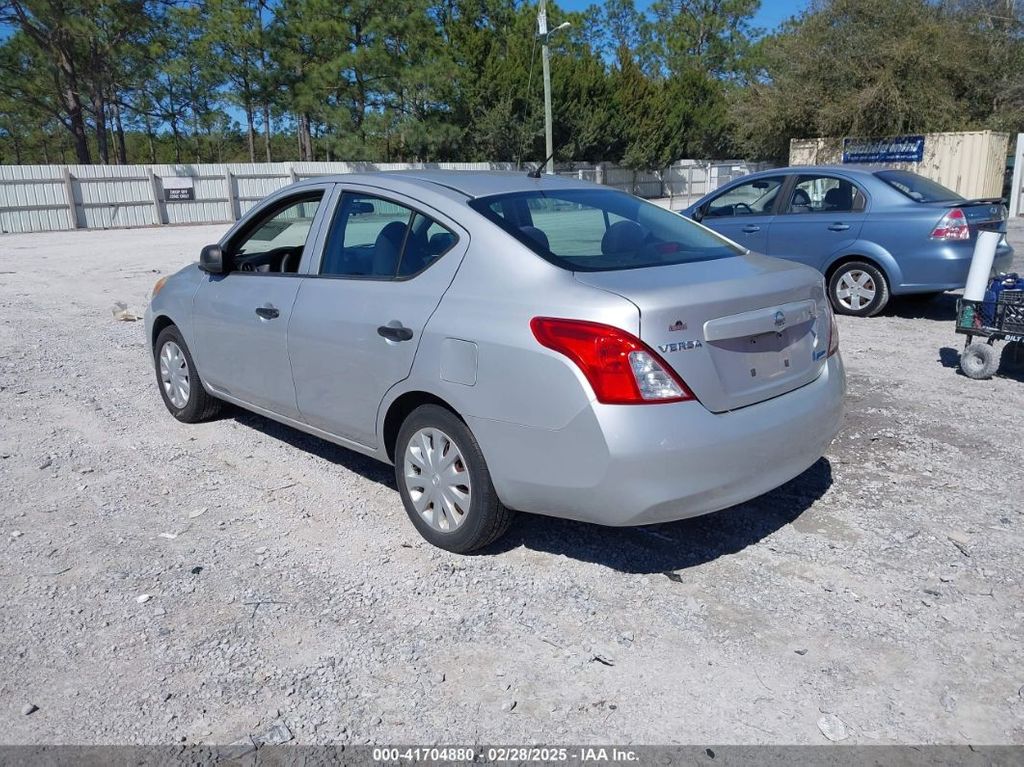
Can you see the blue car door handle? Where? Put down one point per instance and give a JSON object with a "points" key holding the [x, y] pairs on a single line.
{"points": [[267, 312], [838, 227], [750, 229]]}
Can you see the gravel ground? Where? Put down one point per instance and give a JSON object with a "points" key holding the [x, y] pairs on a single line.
{"points": [[164, 582]]}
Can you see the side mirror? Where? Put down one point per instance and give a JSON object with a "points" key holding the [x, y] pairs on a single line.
{"points": [[698, 214], [211, 259]]}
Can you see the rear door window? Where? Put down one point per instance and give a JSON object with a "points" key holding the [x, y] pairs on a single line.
{"points": [[824, 194], [753, 198], [374, 237]]}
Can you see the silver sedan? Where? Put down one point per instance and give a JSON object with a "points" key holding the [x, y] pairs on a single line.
{"points": [[509, 342]]}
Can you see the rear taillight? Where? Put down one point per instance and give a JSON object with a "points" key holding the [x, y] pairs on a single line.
{"points": [[952, 226], [833, 334], [620, 368]]}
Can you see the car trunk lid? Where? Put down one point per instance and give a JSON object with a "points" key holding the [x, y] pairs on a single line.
{"points": [[983, 212], [738, 330]]}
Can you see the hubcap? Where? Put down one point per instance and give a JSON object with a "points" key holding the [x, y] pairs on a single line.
{"points": [[437, 479], [856, 289], [174, 374]]}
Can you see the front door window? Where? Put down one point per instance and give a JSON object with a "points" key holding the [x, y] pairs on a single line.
{"points": [[273, 243], [753, 198]]}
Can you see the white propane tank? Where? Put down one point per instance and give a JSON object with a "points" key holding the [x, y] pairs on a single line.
{"points": [[981, 264]]}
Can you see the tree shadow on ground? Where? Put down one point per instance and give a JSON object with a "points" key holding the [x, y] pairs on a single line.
{"points": [[663, 548]]}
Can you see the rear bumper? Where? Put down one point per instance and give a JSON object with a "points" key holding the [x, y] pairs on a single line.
{"points": [[944, 268], [636, 465]]}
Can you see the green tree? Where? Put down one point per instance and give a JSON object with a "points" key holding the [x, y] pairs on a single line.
{"points": [[710, 36], [234, 40], [42, 63], [883, 67]]}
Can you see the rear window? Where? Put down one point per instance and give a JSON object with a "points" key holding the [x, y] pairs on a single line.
{"points": [[917, 188], [596, 230]]}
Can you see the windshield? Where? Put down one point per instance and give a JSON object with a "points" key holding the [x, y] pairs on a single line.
{"points": [[917, 188], [596, 230]]}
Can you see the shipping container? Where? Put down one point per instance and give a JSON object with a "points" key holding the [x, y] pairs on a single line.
{"points": [[972, 164]]}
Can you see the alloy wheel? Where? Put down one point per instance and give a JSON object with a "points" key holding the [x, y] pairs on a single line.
{"points": [[856, 289]]}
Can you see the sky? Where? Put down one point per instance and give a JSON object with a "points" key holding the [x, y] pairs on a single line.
{"points": [[769, 16], [774, 12]]}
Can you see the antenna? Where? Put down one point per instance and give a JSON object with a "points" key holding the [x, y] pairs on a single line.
{"points": [[535, 173]]}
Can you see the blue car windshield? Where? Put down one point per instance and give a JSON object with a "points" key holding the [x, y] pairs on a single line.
{"points": [[917, 188], [601, 229]]}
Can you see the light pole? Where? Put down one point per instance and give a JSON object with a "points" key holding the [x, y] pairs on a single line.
{"points": [[544, 34]]}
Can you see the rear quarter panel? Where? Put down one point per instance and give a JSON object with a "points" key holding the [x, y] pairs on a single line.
{"points": [[915, 261], [499, 288]]}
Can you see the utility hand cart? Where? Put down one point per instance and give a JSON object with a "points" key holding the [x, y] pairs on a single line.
{"points": [[1000, 317]]}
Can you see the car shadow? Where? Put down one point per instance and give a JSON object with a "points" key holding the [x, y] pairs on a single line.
{"points": [[361, 464], [664, 548], [673, 546], [940, 308]]}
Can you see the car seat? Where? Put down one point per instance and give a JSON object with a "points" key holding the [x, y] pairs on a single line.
{"points": [[801, 202], [440, 243], [537, 236], [622, 238], [386, 249], [839, 198]]}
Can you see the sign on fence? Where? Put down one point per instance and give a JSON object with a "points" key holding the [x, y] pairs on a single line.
{"points": [[179, 188], [891, 149]]}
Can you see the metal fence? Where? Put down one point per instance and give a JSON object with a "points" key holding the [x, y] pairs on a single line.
{"points": [[36, 198], [682, 183]]}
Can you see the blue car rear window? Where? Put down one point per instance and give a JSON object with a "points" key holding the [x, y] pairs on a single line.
{"points": [[601, 229], [917, 188]]}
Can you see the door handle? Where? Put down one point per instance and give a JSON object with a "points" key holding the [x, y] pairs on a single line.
{"points": [[750, 229], [392, 333], [838, 227], [267, 312]]}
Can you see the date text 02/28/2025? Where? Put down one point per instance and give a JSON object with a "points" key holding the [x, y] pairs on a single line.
{"points": [[498, 754]]}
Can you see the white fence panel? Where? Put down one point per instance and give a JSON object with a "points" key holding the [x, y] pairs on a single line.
{"points": [[37, 198], [32, 198], [108, 197]]}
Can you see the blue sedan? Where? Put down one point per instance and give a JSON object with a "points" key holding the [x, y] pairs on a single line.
{"points": [[873, 232]]}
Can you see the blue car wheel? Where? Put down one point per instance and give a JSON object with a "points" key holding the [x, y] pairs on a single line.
{"points": [[859, 289]]}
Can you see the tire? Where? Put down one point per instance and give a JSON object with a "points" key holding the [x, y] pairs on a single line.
{"points": [[191, 403], [979, 361], [1012, 358], [870, 289], [427, 438]]}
